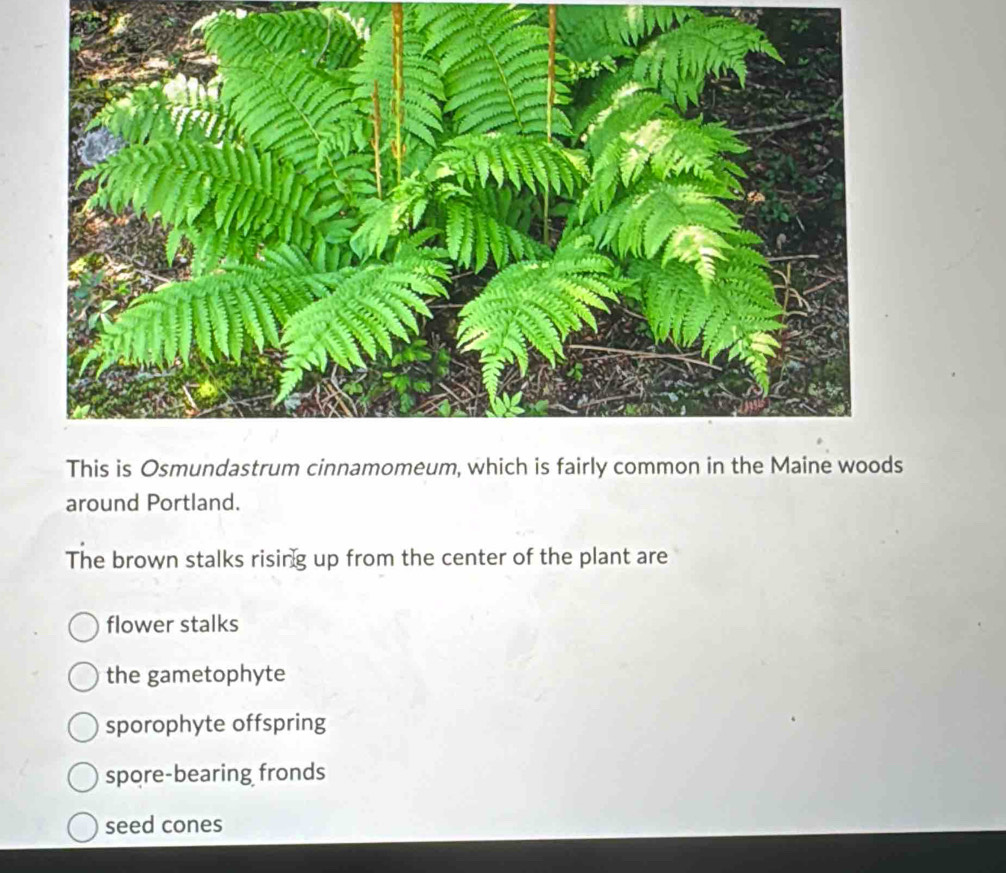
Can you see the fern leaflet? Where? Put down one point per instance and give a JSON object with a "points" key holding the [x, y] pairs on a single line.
{"points": [[671, 220]]}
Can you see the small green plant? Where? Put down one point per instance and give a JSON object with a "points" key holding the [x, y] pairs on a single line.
{"points": [[445, 410], [406, 374], [505, 405], [350, 158]]}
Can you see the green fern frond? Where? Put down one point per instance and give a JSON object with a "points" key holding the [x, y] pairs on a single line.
{"points": [[324, 37], [241, 192], [536, 305], [667, 219], [180, 109], [217, 315], [661, 147], [475, 227], [364, 309], [593, 33], [494, 65], [424, 90], [523, 161], [304, 115], [679, 61], [735, 313]]}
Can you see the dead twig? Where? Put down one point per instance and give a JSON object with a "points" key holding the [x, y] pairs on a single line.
{"points": [[782, 258], [649, 355], [601, 400], [246, 402], [791, 125]]}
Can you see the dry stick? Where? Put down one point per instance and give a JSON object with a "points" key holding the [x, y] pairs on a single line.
{"points": [[792, 258], [339, 394], [137, 268], [791, 125], [376, 141], [654, 355], [600, 400], [549, 101], [246, 402]]}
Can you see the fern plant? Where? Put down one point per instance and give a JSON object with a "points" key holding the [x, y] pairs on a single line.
{"points": [[347, 159]]}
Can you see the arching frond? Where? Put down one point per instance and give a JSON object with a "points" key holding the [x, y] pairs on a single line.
{"points": [[668, 220], [307, 117], [661, 147], [735, 313], [476, 226], [241, 192], [679, 60], [217, 315], [594, 33], [323, 37], [363, 310], [180, 109], [536, 305]]}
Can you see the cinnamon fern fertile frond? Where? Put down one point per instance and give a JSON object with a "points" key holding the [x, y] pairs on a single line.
{"points": [[424, 89]]}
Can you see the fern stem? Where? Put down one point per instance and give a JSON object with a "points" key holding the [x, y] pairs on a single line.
{"points": [[398, 81], [549, 103], [376, 141]]}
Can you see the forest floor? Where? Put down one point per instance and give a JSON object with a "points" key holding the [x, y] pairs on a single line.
{"points": [[789, 114]]}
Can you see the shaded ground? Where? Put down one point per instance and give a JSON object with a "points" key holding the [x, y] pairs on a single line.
{"points": [[789, 114]]}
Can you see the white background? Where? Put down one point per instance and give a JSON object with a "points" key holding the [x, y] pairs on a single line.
{"points": [[822, 655]]}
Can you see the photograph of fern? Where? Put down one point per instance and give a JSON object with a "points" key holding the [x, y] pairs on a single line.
{"points": [[455, 210]]}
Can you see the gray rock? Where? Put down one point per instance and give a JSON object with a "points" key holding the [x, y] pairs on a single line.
{"points": [[98, 145]]}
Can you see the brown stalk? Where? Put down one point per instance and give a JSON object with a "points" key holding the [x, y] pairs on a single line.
{"points": [[376, 141], [398, 81], [549, 103]]}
